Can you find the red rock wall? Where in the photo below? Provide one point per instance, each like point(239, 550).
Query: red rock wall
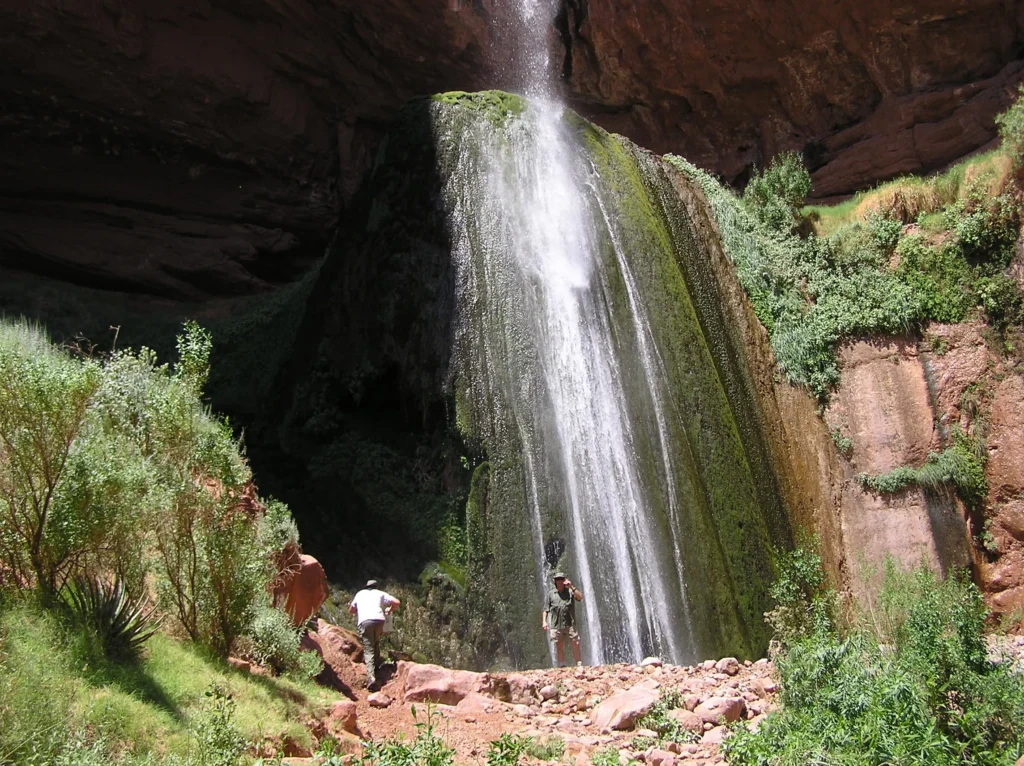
point(197, 149)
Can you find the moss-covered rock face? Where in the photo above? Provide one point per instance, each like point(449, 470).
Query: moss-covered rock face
point(529, 290)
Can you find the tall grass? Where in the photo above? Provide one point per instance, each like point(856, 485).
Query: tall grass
point(910, 198)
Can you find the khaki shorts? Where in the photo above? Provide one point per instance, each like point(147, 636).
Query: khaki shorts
point(558, 636)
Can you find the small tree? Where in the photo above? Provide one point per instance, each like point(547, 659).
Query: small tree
point(44, 402)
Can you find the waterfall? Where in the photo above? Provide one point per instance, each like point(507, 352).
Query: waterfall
point(561, 296)
point(539, 265)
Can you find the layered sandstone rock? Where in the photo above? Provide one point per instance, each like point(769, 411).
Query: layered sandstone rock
point(194, 150)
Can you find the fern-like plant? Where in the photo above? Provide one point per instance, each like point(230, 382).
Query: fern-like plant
point(121, 622)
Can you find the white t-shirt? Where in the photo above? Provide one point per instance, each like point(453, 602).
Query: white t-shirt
point(370, 603)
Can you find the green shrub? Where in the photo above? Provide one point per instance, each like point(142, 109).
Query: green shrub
point(776, 195)
point(507, 750)
point(809, 293)
point(272, 641)
point(217, 741)
point(607, 756)
point(114, 468)
point(886, 231)
point(547, 749)
point(121, 623)
point(910, 684)
point(667, 728)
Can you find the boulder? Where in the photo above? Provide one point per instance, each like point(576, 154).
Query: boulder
point(342, 653)
point(343, 715)
point(548, 692)
point(728, 665)
point(718, 709)
point(522, 689)
point(433, 683)
point(687, 719)
point(303, 589)
point(658, 757)
point(476, 704)
point(379, 700)
point(621, 710)
point(714, 736)
point(655, 661)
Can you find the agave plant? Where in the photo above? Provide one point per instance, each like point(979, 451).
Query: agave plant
point(122, 622)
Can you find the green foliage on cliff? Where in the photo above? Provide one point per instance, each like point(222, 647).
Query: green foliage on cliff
point(776, 195)
point(907, 683)
point(962, 465)
point(809, 293)
point(864, 272)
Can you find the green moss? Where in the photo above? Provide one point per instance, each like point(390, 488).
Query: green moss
point(496, 105)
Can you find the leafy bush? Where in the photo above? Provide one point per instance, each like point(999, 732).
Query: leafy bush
point(776, 195)
point(121, 623)
point(114, 467)
point(547, 749)
point(272, 640)
point(802, 600)
point(910, 685)
point(811, 293)
point(607, 756)
point(217, 740)
point(667, 728)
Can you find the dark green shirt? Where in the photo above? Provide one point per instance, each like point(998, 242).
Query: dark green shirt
point(561, 609)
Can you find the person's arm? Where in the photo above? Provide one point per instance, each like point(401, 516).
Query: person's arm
point(392, 603)
point(544, 620)
point(352, 608)
point(574, 591)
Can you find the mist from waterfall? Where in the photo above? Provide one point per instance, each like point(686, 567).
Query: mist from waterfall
point(540, 265)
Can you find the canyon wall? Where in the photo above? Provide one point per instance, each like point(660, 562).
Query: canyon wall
point(197, 150)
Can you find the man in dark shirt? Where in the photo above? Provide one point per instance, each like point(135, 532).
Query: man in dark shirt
point(559, 617)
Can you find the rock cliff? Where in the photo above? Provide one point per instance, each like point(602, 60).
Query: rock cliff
point(194, 149)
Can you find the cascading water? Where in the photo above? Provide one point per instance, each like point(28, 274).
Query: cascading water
point(560, 296)
point(540, 263)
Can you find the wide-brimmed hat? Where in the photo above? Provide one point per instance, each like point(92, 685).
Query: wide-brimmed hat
point(559, 576)
point(371, 583)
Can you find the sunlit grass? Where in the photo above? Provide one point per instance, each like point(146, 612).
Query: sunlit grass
point(913, 198)
point(51, 684)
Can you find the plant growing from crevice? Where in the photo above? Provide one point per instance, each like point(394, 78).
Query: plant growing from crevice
point(961, 466)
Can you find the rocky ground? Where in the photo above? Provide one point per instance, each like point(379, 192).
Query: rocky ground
point(588, 709)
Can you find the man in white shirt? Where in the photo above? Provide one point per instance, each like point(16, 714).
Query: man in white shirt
point(371, 607)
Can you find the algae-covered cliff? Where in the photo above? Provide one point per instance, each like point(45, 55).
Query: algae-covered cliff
point(565, 359)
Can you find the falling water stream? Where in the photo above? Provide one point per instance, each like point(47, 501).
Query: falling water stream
point(559, 360)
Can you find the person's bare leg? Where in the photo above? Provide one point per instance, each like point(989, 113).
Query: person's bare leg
point(577, 655)
point(560, 652)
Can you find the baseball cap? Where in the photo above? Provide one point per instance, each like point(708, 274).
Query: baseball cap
point(559, 576)
point(371, 583)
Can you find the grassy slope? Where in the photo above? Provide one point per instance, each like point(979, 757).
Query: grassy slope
point(914, 197)
point(50, 685)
